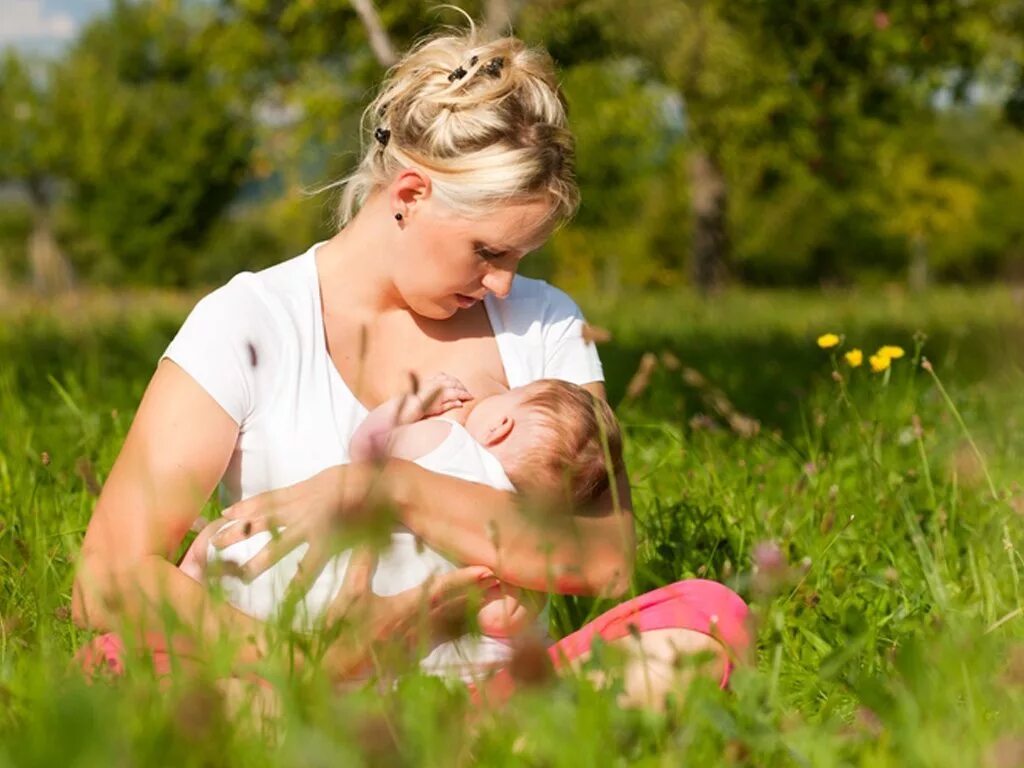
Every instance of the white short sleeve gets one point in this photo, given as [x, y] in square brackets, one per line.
[567, 355]
[539, 331]
[226, 344]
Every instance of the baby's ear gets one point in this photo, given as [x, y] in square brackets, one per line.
[499, 431]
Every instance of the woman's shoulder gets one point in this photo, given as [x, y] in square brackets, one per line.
[535, 289]
[540, 334]
[236, 341]
[281, 284]
[278, 296]
[531, 300]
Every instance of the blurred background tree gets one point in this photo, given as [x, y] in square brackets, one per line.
[32, 147]
[768, 142]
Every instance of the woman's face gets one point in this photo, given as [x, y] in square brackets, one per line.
[448, 262]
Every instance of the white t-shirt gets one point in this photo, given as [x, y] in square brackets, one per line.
[405, 564]
[257, 346]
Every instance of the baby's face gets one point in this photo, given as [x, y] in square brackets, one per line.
[505, 424]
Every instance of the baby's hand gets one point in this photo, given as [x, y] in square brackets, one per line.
[439, 394]
[506, 615]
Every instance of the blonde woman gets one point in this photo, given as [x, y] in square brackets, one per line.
[468, 167]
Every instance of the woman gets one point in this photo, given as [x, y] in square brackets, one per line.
[470, 168]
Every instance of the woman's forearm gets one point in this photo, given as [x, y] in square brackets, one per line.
[539, 549]
[137, 599]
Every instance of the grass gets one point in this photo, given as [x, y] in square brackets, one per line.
[873, 523]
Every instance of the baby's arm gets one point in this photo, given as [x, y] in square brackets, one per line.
[373, 439]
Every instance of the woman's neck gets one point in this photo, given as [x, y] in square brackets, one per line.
[355, 266]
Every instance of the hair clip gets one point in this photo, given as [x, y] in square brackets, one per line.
[473, 61]
[493, 67]
[456, 74]
[383, 135]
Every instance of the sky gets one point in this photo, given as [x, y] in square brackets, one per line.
[44, 26]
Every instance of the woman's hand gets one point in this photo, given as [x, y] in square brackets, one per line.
[310, 512]
[434, 611]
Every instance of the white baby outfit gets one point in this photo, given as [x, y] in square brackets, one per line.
[257, 346]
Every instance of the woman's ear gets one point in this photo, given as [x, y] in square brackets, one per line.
[410, 187]
[499, 431]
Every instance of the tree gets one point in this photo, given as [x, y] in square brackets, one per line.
[31, 148]
[159, 144]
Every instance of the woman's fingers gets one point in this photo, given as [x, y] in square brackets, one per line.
[356, 586]
[287, 540]
[457, 585]
[309, 569]
[239, 529]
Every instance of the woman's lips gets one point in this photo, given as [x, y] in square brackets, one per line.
[465, 302]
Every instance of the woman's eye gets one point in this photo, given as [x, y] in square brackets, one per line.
[486, 253]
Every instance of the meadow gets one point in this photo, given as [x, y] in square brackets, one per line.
[873, 521]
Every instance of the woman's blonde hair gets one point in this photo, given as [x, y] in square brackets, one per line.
[485, 120]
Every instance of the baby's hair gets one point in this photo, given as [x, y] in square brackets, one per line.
[582, 451]
[486, 120]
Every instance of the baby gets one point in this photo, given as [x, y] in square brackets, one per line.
[543, 438]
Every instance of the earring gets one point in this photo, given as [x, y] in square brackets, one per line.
[398, 217]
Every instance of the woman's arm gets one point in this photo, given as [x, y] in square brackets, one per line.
[173, 457]
[544, 550]
[175, 453]
[531, 547]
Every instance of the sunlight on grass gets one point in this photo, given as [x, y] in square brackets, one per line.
[874, 522]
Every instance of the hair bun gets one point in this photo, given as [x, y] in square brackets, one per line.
[485, 119]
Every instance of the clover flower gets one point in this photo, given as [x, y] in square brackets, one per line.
[828, 340]
[854, 358]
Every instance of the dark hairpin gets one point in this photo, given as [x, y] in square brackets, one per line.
[383, 135]
[456, 74]
[493, 67]
[473, 61]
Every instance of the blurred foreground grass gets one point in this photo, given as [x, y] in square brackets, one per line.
[881, 555]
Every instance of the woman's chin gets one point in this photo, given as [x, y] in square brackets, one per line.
[434, 310]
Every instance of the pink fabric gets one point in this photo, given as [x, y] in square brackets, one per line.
[695, 604]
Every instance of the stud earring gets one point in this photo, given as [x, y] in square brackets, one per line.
[398, 217]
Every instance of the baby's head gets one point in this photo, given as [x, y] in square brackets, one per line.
[548, 436]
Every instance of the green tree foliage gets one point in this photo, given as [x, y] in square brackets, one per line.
[32, 150]
[778, 142]
[797, 116]
[159, 146]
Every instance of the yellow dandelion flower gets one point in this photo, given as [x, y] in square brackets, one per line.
[892, 352]
[879, 363]
[828, 340]
[854, 358]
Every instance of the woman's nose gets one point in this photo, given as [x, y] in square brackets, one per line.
[499, 282]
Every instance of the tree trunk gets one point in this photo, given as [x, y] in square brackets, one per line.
[380, 42]
[708, 204]
[918, 272]
[498, 17]
[50, 269]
